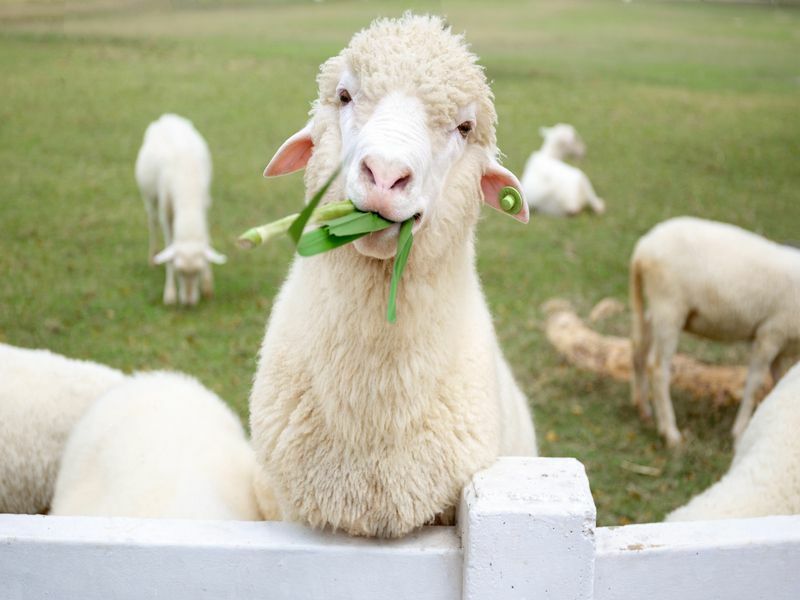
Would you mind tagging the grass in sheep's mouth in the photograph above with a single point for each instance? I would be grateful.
(341, 223)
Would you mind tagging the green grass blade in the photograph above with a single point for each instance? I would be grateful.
(404, 241)
(320, 240)
(358, 222)
(296, 229)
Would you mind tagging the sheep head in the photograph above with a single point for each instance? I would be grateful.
(563, 141)
(189, 259)
(408, 113)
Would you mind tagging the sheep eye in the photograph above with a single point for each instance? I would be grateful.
(465, 128)
(344, 97)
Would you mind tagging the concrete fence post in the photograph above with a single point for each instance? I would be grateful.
(527, 530)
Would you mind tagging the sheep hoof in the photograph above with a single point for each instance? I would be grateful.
(674, 439)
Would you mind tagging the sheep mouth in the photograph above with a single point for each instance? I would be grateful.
(383, 244)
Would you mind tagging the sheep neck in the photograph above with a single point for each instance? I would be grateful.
(550, 148)
(410, 355)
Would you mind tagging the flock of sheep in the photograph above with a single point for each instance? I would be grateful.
(376, 427)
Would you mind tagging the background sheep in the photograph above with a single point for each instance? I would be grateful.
(764, 478)
(552, 186)
(173, 171)
(158, 445)
(358, 424)
(720, 282)
(42, 396)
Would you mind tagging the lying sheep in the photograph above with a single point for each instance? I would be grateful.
(361, 425)
(764, 478)
(42, 396)
(173, 171)
(552, 186)
(157, 445)
(720, 282)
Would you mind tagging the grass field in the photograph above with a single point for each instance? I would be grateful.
(686, 109)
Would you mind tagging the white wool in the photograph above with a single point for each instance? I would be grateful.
(720, 282)
(173, 171)
(552, 186)
(42, 396)
(158, 445)
(361, 425)
(764, 478)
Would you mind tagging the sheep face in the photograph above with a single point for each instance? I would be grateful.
(564, 140)
(191, 261)
(409, 115)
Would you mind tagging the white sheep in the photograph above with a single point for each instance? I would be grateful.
(764, 477)
(552, 186)
(720, 282)
(158, 445)
(42, 396)
(361, 425)
(173, 171)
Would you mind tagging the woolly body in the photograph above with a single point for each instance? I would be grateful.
(173, 170)
(720, 282)
(552, 186)
(358, 424)
(158, 445)
(764, 477)
(42, 396)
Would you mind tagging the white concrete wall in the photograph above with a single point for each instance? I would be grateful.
(526, 531)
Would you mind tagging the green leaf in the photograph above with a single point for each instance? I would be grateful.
(321, 240)
(358, 222)
(296, 230)
(404, 241)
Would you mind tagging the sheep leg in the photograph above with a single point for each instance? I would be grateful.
(640, 346)
(592, 199)
(165, 216)
(152, 226)
(207, 284)
(765, 350)
(782, 363)
(665, 343)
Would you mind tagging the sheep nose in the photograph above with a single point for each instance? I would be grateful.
(385, 176)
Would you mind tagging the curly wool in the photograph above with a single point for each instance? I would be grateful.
(358, 424)
(42, 396)
(764, 477)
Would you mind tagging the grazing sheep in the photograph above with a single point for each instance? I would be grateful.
(764, 477)
(720, 282)
(361, 425)
(158, 445)
(173, 171)
(552, 186)
(42, 396)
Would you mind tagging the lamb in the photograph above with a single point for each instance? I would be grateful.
(173, 171)
(360, 425)
(158, 445)
(720, 282)
(42, 396)
(764, 477)
(554, 187)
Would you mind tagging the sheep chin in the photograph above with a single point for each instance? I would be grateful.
(379, 244)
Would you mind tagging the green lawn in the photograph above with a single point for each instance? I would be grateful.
(686, 108)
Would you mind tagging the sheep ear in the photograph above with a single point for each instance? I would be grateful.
(293, 154)
(166, 255)
(214, 256)
(494, 179)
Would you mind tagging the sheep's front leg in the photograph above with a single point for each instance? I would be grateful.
(665, 342)
(207, 282)
(170, 293)
(765, 349)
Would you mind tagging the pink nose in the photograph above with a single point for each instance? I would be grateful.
(384, 176)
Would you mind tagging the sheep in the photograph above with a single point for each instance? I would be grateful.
(173, 171)
(720, 282)
(552, 186)
(764, 477)
(360, 425)
(42, 396)
(159, 445)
